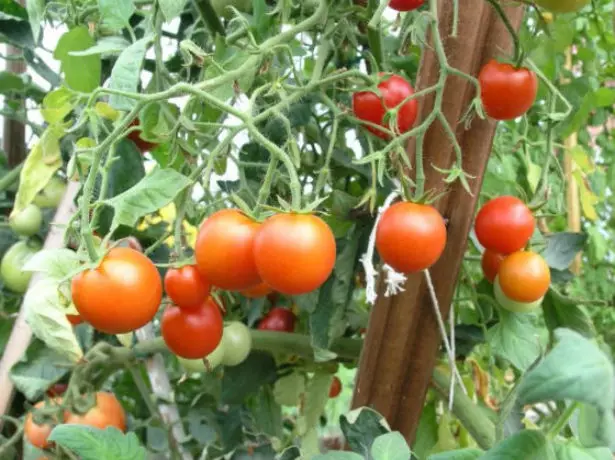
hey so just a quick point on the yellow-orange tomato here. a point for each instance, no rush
(524, 276)
(107, 412)
(258, 291)
(490, 263)
(294, 253)
(225, 250)
(120, 295)
(37, 434)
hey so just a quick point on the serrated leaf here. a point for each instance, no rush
(526, 445)
(560, 312)
(126, 73)
(155, 191)
(589, 200)
(390, 446)
(91, 443)
(81, 73)
(116, 13)
(246, 378)
(562, 248)
(36, 11)
(57, 105)
(361, 427)
(106, 45)
(288, 389)
(45, 311)
(55, 263)
(171, 8)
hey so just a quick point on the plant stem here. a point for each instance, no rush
(209, 16)
(180, 211)
(10, 177)
(374, 38)
(562, 421)
(135, 371)
(518, 58)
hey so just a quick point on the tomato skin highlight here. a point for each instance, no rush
(490, 263)
(107, 412)
(405, 5)
(278, 319)
(186, 287)
(524, 276)
(369, 106)
(294, 253)
(121, 295)
(336, 387)
(194, 333)
(410, 237)
(258, 291)
(507, 92)
(225, 250)
(504, 225)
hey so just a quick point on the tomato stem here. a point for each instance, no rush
(519, 55)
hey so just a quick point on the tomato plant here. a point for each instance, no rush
(135, 136)
(11, 268)
(52, 194)
(524, 276)
(28, 222)
(37, 434)
(224, 8)
(107, 412)
(186, 286)
(278, 319)
(236, 342)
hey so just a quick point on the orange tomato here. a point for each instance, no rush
(74, 319)
(107, 412)
(186, 286)
(336, 387)
(524, 276)
(295, 253)
(122, 294)
(258, 291)
(490, 263)
(224, 250)
(37, 434)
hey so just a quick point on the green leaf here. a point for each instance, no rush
(361, 427)
(155, 191)
(116, 13)
(316, 398)
(525, 445)
(10, 9)
(593, 427)
(45, 309)
(106, 45)
(390, 446)
(36, 11)
(171, 8)
(427, 431)
(288, 389)
(126, 73)
(338, 455)
(57, 105)
(598, 245)
(55, 263)
(91, 443)
(157, 121)
(560, 312)
(575, 369)
(516, 338)
(573, 451)
(461, 454)
(245, 379)
(11, 83)
(81, 73)
(562, 248)
(267, 413)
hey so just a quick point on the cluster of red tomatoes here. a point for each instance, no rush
(521, 277)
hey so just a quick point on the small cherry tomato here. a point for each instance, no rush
(237, 343)
(37, 434)
(51, 195)
(214, 359)
(490, 263)
(258, 291)
(142, 144)
(405, 5)
(278, 319)
(225, 250)
(11, 268)
(512, 305)
(410, 237)
(57, 389)
(28, 222)
(336, 388)
(294, 253)
(504, 225)
(507, 92)
(193, 333)
(371, 107)
(186, 287)
(74, 319)
(524, 276)
(107, 412)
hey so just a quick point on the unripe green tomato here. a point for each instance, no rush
(52, 194)
(562, 6)
(221, 7)
(12, 263)
(237, 343)
(28, 222)
(198, 366)
(512, 305)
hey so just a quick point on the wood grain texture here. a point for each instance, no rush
(403, 340)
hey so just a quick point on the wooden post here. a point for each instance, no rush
(402, 340)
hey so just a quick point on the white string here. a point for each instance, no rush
(447, 345)
(395, 281)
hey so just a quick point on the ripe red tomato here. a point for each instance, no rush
(524, 276)
(122, 294)
(258, 291)
(74, 319)
(369, 106)
(225, 250)
(490, 262)
(57, 389)
(194, 333)
(142, 144)
(107, 412)
(507, 92)
(410, 237)
(186, 286)
(405, 5)
(336, 388)
(37, 434)
(278, 319)
(504, 225)
(294, 253)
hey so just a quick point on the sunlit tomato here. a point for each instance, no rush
(37, 434)
(135, 136)
(186, 286)
(524, 276)
(52, 194)
(193, 333)
(294, 253)
(405, 5)
(11, 268)
(225, 250)
(336, 388)
(394, 90)
(107, 412)
(74, 319)
(278, 319)
(507, 92)
(562, 6)
(504, 225)
(27, 222)
(258, 291)
(490, 262)
(57, 389)
(410, 237)
(237, 343)
(512, 305)
(121, 295)
(214, 359)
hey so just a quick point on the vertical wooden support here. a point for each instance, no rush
(14, 133)
(402, 340)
